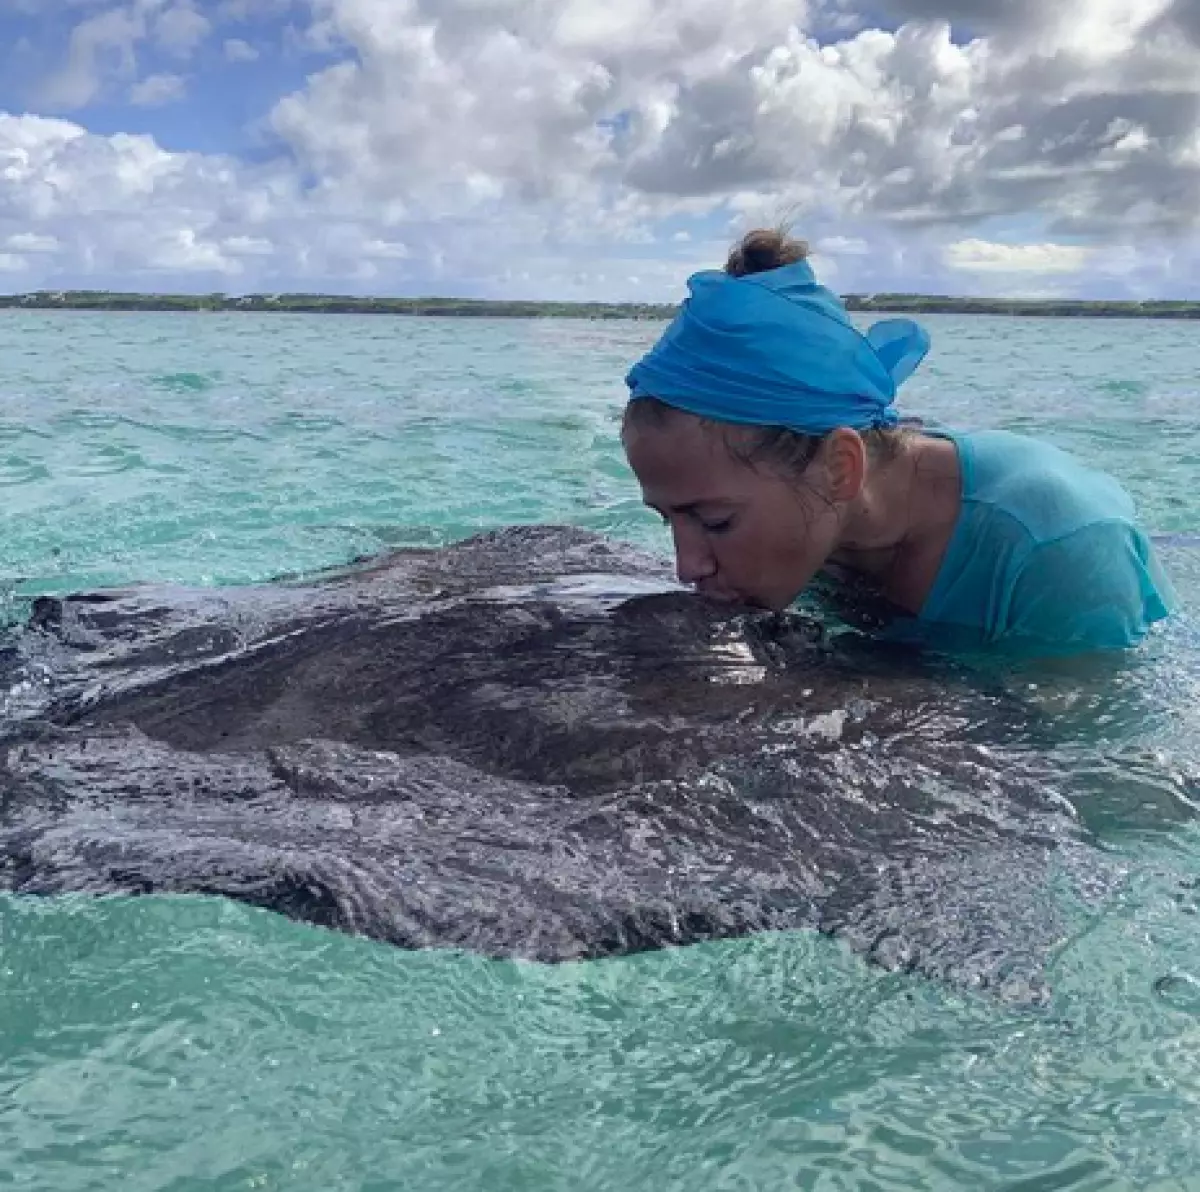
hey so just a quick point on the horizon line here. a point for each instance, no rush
(316, 302)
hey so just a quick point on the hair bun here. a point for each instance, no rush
(765, 249)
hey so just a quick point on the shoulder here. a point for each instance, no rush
(1051, 548)
(1049, 493)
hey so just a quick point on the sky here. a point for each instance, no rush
(598, 149)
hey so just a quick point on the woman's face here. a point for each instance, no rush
(742, 534)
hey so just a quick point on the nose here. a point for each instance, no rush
(694, 559)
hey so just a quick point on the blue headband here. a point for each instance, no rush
(777, 349)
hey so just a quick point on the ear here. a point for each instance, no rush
(845, 458)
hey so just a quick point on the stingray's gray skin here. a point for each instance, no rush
(529, 745)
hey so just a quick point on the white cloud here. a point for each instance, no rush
(449, 106)
(123, 205)
(103, 48)
(11, 263)
(385, 250)
(843, 246)
(180, 30)
(237, 50)
(983, 256)
(100, 47)
(158, 89)
(30, 242)
(247, 246)
(551, 145)
(185, 250)
(255, 10)
(459, 104)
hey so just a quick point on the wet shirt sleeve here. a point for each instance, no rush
(1098, 588)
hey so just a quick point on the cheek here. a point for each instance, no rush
(816, 533)
(791, 544)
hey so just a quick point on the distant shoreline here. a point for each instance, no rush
(329, 304)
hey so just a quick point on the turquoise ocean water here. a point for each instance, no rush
(189, 1044)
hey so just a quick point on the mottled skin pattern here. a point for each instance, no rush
(530, 745)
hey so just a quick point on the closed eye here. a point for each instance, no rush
(709, 525)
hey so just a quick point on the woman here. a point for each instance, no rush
(761, 427)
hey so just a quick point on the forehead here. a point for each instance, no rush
(684, 461)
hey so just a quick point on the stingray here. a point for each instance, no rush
(533, 745)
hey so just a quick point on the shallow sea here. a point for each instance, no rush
(189, 1044)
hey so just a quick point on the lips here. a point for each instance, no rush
(729, 599)
(717, 595)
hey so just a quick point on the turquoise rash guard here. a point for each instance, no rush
(1046, 556)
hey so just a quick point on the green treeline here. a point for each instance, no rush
(1049, 308)
(916, 304)
(331, 304)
